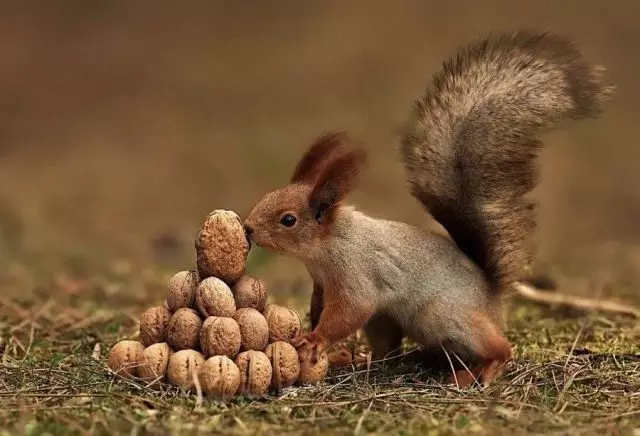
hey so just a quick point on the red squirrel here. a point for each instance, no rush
(469, 149)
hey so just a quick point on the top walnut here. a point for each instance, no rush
(222, 247)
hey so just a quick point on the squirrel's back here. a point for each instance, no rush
(471, 144)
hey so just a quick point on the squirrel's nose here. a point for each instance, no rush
(248, 231)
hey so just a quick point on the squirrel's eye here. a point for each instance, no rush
(288, 220)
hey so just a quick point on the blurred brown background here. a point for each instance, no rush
(123, 123)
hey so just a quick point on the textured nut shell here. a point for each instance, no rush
(255, 372)
(153, 325)
(125, 358)
(220, 377)
(222, 246)
(184, 329)
(220, 336)
(182, 367)
(284, 363)
(253, 329)
(214, 298)
(284, 323)
(310, 373)
(155, 361)
(181, 290)
(250, 292)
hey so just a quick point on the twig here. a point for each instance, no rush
(530, 293)
(361, 420)
(573, 347)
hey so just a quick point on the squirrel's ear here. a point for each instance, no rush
(315, 159)
(333, 185)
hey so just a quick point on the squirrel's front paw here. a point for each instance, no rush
(309, 346)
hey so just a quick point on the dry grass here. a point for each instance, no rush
(121, 126)
(573, 373)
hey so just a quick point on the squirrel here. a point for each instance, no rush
(470, 149)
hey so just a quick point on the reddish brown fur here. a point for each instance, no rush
(338, 179)
(316, 304)
(384, 335)
(318, 156)
(492, 349)
(470, 147)
(470, 151)
(317, 188)
(342, 315)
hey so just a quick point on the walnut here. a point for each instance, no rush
(182, 290)
(220, 336)
(250, 292)
(214, 298)
(154, 323)
(155, 361)
(222, 247)
(255, 373)
(253, 329)
(312, 373)
(219, 377)
(184, 329)
(284, 363)
(126, 357)
(284, 323)
(183, 367)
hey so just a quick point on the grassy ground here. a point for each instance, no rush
(573, 373)
(121, 126)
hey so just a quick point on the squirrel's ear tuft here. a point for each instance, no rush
(315, 159)
(335, 183)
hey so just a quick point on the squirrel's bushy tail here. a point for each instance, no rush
(471, 144)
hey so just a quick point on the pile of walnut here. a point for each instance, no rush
(215, 329)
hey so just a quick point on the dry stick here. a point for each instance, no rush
(361, 420)
(576, 302)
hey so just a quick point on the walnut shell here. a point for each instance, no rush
(220, 336)
(284, 323)
(250, 292)
(155, 361)
(153, 325)
(181, 290)
(219, 377)
(284, 363)
(255, 373)
(222, 246)
(184, 329)
(183, 366)
(214, 298)
(126, 357)
(311, 373)
(253, 329)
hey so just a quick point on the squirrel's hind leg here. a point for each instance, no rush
(384, 336)
(483, 344)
